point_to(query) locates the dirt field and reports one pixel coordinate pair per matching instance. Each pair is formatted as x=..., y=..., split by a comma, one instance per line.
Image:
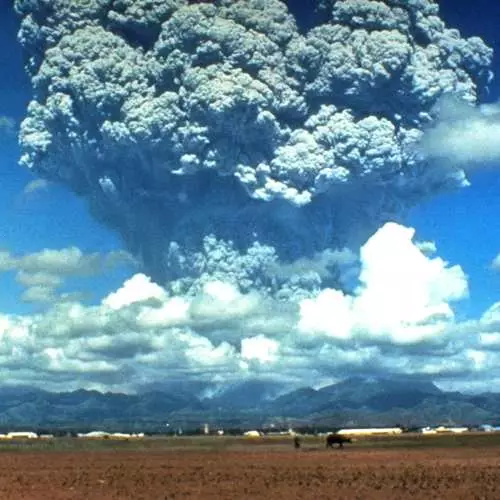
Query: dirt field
x=263, y=469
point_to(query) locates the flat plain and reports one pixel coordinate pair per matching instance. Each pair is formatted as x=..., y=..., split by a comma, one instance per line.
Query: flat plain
x=214, y=467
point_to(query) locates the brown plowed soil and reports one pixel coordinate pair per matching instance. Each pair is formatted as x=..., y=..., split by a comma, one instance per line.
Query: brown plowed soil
x=252, y=472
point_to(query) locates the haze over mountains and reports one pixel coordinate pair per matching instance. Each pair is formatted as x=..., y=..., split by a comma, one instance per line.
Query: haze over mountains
x=356, y=401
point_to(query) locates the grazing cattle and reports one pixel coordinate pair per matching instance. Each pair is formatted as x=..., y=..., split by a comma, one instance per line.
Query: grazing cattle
x=296, y=442
x=332, y=439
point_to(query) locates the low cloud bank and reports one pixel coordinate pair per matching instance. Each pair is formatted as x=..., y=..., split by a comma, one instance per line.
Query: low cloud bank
x=43, y=273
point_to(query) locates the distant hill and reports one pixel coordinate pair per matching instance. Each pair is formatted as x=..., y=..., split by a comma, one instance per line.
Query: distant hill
x=354, y=401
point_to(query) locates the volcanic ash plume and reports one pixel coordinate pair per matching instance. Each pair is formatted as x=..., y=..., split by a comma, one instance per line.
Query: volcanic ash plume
x=225, y=142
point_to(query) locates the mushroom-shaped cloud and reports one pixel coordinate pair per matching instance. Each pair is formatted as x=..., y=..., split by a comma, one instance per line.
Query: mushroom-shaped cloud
x=220, y=138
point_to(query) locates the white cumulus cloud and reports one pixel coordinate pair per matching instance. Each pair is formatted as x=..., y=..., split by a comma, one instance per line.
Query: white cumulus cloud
x=399, y=320
x=466, y=135
x=403, y=294
x=495, y=265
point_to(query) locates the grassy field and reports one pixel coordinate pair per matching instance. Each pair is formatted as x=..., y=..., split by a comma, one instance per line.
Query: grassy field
x=214, y=443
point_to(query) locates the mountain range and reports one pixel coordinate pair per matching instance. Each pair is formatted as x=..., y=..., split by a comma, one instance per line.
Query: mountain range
x=353, y=402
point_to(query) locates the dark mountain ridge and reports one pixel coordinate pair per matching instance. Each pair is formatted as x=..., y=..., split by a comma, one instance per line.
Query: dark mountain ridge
x=352, y=402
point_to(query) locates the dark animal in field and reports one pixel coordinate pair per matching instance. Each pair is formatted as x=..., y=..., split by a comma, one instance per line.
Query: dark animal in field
x=296, y=442
x=332, y=439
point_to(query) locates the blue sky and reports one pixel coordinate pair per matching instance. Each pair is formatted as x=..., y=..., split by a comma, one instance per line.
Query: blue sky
x=49, y=218
x=463, y=225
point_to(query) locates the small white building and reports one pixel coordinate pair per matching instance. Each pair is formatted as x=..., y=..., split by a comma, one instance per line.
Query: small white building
x=108, y=435
x=123, y=435
x=373, y=431
x=428, y=430
x=489, y=428
x=454, y=430
x=252, y=434
x=22, y=435
x=93, y=435
x=443, y=430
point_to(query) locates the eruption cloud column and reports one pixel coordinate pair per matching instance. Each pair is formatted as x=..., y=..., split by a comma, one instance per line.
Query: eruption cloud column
x=225, y=143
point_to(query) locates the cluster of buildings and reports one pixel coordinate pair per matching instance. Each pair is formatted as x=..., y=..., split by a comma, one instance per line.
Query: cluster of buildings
x=387, y=431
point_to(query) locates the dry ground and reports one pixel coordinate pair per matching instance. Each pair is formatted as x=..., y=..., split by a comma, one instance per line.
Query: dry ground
x=230, y=468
